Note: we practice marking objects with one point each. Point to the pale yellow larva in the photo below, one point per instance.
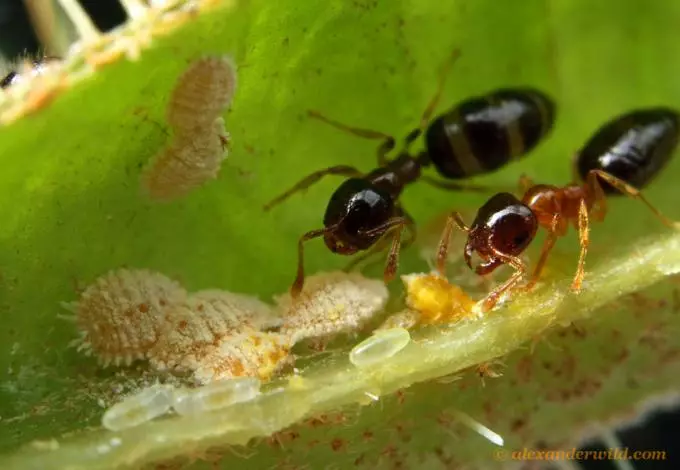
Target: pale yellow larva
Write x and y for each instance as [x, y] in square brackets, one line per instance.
[122, 313]
[405, 319]
[331, 303]
[143, 406]
[202, 94]
[187, 163]
[215, 396]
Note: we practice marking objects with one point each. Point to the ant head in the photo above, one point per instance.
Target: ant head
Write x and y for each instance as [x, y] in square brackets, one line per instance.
[356, 210]
[503, 226]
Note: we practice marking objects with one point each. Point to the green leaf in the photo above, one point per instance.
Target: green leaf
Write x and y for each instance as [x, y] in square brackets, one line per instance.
[73, 210]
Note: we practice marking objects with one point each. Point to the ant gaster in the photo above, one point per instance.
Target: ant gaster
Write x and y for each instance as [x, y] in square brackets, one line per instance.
[474, 137]
[623, 155]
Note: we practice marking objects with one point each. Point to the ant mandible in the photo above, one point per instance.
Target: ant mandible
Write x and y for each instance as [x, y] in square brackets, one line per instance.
[477, 136]
[621, 157]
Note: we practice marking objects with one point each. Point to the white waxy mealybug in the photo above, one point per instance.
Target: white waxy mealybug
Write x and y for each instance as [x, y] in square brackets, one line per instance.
[202, 93]
[122, 313]
[195, 328]
[248, 353]
[216, 334]
[216, 395]
[379, 347]
[331, 303]
[144, 406]
[261, 354]
[234, 311]
[187, 163]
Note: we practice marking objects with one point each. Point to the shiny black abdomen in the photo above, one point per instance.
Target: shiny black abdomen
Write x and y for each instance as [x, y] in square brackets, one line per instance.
[482, 134]
[359, 206]
[633, 147]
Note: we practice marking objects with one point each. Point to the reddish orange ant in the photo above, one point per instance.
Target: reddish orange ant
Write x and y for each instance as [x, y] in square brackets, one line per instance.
[623, 155]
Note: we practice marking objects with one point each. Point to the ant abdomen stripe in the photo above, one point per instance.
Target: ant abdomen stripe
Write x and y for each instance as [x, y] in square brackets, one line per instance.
[482, 134]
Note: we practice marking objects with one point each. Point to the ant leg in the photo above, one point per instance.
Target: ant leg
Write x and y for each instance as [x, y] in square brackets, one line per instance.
[558, 228]
[450, 186]
[584, 241]
[410, 138]
[427, 114]
[525, 182]
[548, 245]
[443, 250]
[494, 296]
[376, 249]
[383, 149]
[393, 255]
[296, 288]
[394, 227]
[631, 191]
[594, 191]
[411, 227]
[309, 180]
[379, 247]
[429, 109]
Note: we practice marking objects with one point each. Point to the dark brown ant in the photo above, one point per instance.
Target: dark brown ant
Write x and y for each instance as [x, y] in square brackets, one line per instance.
[623, 155]
[477, 136]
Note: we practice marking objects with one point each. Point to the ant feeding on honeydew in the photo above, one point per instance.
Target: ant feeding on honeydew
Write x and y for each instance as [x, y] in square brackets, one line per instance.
[623, 155]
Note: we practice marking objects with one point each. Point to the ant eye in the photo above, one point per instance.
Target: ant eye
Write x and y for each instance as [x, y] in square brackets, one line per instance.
[520, 239]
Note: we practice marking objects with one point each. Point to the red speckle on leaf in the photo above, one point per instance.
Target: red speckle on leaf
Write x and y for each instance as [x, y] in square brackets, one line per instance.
[518, 424]
[337, 444]
[524, 369]
[313, 443]
[622, 355]
[578, 331]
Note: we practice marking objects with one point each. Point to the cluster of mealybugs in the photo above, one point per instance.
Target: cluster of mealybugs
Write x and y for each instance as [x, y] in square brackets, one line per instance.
[477, 136]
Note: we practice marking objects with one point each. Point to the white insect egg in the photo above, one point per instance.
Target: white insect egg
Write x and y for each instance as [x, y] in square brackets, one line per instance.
[202, 93]
[379, 347]
[331, 303]
[187, 163]
[123, 312]
[214, 396]
[144, 406]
